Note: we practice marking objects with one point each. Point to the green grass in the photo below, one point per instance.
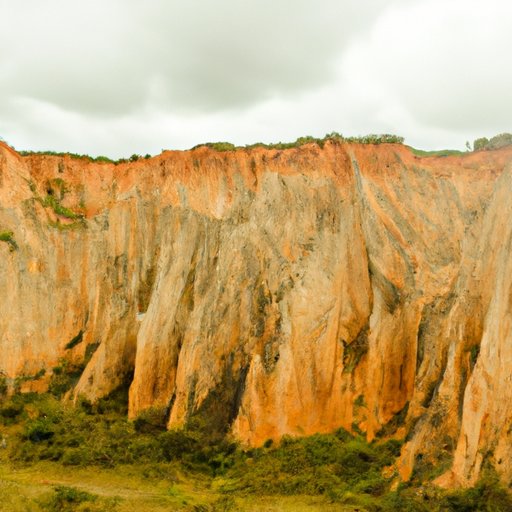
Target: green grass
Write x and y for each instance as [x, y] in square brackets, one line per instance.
[66, 218]
[90, 457]
[68, 499]
[52, 202]
[69, 226]
[437, 153]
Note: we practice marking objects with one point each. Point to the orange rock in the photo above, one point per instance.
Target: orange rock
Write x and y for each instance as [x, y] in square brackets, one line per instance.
[274, 292]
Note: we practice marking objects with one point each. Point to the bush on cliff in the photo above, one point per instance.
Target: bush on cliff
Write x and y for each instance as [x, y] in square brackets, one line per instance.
[384, 138]
[8, 238]
[497, 142]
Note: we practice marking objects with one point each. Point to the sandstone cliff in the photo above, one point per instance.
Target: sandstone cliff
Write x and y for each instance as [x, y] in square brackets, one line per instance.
[273, 292]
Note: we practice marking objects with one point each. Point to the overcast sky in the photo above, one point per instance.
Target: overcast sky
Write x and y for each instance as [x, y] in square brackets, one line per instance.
[116, 77]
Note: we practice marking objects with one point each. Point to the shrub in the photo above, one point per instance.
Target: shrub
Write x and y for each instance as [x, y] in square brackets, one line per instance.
[4, 388]
[474, 352]
[75, 457]
[151, 420]
[8, 238]
[488, 494]
[500, 141]
[56, 189]
[220, 146]
[64, 377]
[480, 143]
[116, 402]
[224, 504]
[385, 138]
[197, 449]
[52, 202]
[176, 444]
[100, 159]
[497, 142]
[329, 464]
[75, 340]
[39, 430]
[67, 499]
[103, 159]
[308, 139]
[11, 410]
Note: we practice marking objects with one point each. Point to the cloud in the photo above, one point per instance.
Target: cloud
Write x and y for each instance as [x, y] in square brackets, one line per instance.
[121, 76]
[445, 63]
[107, 58]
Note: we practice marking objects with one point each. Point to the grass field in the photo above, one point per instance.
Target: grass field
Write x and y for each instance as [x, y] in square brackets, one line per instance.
[437, 153]
[90, 458]
[36, 488]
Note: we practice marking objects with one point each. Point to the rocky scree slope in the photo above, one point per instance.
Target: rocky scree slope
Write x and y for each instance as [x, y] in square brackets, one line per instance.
[273, 292]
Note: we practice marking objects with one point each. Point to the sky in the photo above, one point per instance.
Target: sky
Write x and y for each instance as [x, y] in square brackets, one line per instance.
[117, 77]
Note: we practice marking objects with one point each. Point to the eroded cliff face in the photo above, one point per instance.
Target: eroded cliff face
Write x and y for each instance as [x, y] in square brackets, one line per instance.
[273, 292]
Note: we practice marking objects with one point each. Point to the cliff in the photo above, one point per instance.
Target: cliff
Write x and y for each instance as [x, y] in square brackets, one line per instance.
[273, 292]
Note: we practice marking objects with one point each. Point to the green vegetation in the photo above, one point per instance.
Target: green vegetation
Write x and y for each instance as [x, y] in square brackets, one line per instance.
[334, 137]
[497, 142]
[4, 388]
[228, 146]
[67, 499]
[482, 144]
[308, 139]
[474, 352]
[56, 189]
[321, 464]
[75, 340]
[18, 381]
[56, 224]
[62, 154]
[65, 376]
[353, 352]
[8, 238]
[99, 434]
[98, 159]
[90, 457]
[219, 146]
[437, 153]
[52, 202]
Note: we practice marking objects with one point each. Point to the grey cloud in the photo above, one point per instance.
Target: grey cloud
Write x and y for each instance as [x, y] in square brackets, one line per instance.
[108, 58]
[124, 76]
[446, 62]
